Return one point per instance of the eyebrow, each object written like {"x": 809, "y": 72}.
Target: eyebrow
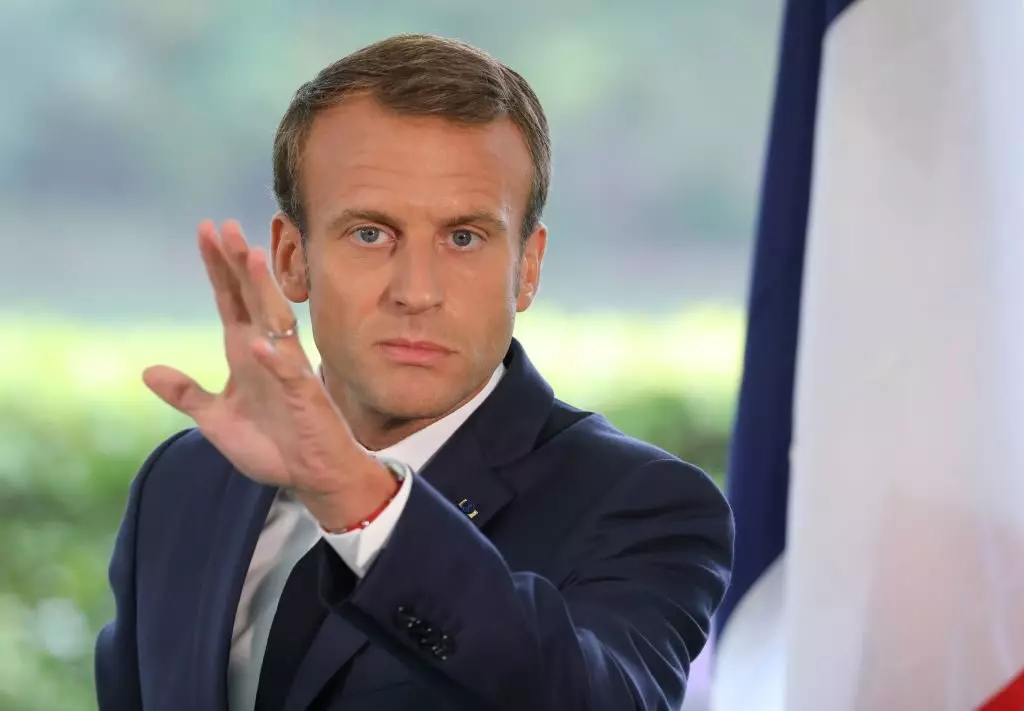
{"x": 479, "y": 217}
{"x": 484, "y": 217}
{"x": 357, "y": 215}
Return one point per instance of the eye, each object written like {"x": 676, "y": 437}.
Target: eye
{"x": 369, "y": 236}
{"x": 464, "y": 239}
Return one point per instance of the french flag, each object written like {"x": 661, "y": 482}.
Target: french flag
{"x": 877, "y": 465}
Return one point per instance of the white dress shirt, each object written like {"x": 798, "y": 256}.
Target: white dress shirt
{"x": 290, "y": 532}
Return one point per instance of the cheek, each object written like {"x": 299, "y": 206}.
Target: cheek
{"x": 494, "y": 272}
{"x": 483, "y": 300}
{"x": 483, "y": 288}
{"x": 342, "y": 296}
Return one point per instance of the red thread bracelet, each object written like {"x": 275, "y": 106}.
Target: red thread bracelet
{"x": 399, "y": 475}
{"x": 366, "y": 521}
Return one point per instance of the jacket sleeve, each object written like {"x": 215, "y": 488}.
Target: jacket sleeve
{"x": 648, "y": 569}
{"x": 360, "y": 547}
{"x": 116, "y": 665}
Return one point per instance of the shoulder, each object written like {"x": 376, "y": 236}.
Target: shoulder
{"x": 183, "y": 464}
{"x": 605, "y": 472}
{"x": 631, "y": 493}
{"x": 609, "y": 456}
{"x": 186, "y": 447}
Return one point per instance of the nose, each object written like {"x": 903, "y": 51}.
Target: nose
{"x": 415, "y": 280}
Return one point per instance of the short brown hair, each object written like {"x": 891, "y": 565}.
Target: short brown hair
{"x": 418, "y": 75}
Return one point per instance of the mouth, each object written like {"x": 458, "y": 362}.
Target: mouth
{"x": 406, "y": 352}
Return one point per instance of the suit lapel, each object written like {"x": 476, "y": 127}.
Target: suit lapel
{"x": 338, "y": 642}
{"x": 465, "y": 472}
{"x": 334, "y": 645}
{"x": 241, "y": 515}
{"x": 462, "y": 474}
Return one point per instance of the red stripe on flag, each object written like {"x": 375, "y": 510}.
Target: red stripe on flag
{"x": 1011, "y": 698}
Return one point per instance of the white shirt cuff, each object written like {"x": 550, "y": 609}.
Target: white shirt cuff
{"x": 359, "y": 548}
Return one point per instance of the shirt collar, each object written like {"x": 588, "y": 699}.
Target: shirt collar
{"x": 418, "y": 449}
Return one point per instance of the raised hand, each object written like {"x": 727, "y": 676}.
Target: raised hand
{"x": 274, "y": 420}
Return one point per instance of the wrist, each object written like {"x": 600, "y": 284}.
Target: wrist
{"x": 359, "y": 501}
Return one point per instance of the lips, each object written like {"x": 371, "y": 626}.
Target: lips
{"x": 409, "y": 352}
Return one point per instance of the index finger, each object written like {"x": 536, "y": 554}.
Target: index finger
{"x": 280, "y": 349}
{"x": 275, "y": 313}
{"x": 226, "y": 289}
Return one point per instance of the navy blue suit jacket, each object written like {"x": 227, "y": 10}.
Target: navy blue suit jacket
{"x": 587, "y": 579}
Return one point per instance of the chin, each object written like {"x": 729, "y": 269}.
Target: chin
{"x": 415, "y": 398}
{"x": 411, "y": 407}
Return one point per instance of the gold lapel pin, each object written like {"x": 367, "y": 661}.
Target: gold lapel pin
{"x": 468, "y": 507}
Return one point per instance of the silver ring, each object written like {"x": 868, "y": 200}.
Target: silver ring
{"x": 287, "y": 333}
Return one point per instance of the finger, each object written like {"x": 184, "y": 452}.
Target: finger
{"x": 284, "y": 357}
{"x": 289, "y": 368}
{"x": 226, "y": 288}
{"x": 275, "y": 312}
{"x": 178, "y": 390}
{"x": 235, "y": 246}
{"x": 236, "y": 249}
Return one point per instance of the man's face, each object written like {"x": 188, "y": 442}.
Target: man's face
{"x": 415, "y": 269}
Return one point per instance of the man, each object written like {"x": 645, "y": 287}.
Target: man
{"x": 420, "y": 525}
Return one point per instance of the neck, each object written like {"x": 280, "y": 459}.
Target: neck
{"x": 376, "y": 430}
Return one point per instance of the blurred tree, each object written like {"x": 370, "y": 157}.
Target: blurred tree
{"x": 163, "y": 113}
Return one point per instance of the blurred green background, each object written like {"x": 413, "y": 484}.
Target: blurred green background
{"x": 76, "y": 422}
{"x": 124, "y": 123}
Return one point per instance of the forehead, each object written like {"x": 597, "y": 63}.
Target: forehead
{"x": 361, "y": 154}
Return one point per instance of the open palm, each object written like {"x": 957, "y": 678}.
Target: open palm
{"x": 274, "y": 421}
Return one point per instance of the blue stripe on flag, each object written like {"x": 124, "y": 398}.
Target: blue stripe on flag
{"x": 758, "y": 477}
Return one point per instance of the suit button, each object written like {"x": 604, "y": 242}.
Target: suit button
{"x": 426, "y": 636}
{"x": 427, "y": 640}
{"x": 444, "y": 647}
{"x": 420, "y": 629}
{"x": 405, "y": 616}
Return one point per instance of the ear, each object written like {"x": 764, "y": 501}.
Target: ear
{"x": 529, "y": 266}
{"x": 289, "y": 258}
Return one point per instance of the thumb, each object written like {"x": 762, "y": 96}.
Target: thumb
{"x": 177, "y": 389}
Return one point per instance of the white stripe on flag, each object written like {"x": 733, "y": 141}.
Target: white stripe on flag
{"x": 751, "y": 654}
{"x": 905, "y": 572}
